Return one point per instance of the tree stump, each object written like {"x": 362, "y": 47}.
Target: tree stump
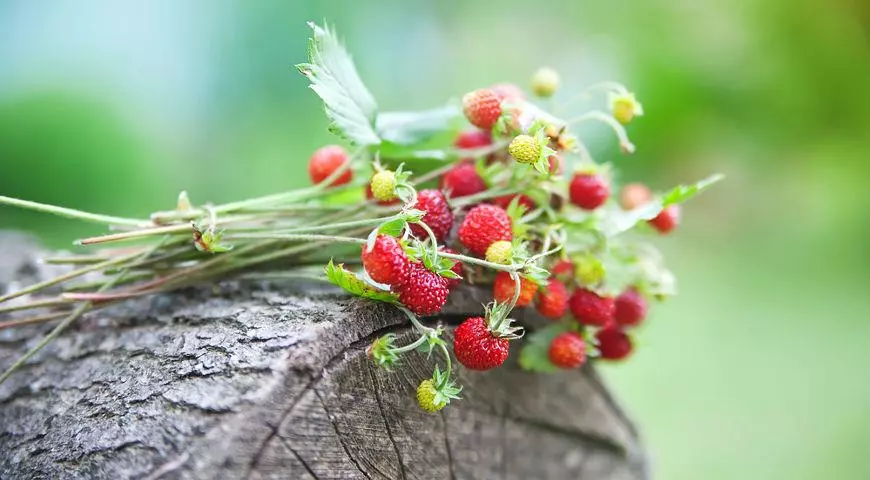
{"x": 271, "y": 381}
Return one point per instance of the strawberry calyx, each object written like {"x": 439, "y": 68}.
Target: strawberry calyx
{"x": 498, "y": 323}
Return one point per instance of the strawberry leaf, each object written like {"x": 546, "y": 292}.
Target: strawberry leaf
{"x": 411, "y": 128}
{"x": 534, "y": 356}
{"x": 337, "y": 275}
{"x": 334, "y": 78}
{"x": 681, "y": 193}
{"x": 393, "y": 227}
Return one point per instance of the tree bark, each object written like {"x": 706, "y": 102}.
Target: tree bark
{"x": 263, "y": 380}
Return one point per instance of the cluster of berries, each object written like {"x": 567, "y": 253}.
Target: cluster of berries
{"x": 494, "y": 215}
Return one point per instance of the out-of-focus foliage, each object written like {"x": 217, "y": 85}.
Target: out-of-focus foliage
{"x": 755, "y": 371}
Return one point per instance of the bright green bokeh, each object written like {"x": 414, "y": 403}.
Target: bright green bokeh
{"x": 755, "y": 371}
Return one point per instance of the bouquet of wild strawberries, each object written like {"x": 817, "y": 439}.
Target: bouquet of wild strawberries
{"x": 519, "y": 203}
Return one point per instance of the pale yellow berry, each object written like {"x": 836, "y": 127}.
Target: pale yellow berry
{"x": 545, "y": 82}
{"x": 384, "y": 185}
{"x": 499, "y": 252}
{"x": 588, "y": 270}
{"x": 427, "y": 397}
{"x": 525, "y": 149}
{"x": 625, "y": 107}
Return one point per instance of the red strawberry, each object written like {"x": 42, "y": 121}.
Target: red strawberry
{"x": 457, "y": 269}
{"x": 462, "y": 180}
{"x": 386, "y": 262}
{"x": 327, "y": 160}
{"x": 508, "y": 91}
{"x": 438, "y": 215}
{"x": 667, "y": 219}
{"x": 563, "y": 268}
{"x": 634, "y": 195}
{"x": 503, "y": 289}
{"x": 553, "y": 301}
{"x": 483, "y": 225}
{"x": 482, "y": 108}
{"x": 424, "y": 292}
{"x": 613, "y": 343}
{"x": 555, "y": 164}
{"x": 476, "y": 347}
{"x": 473, "y": 139}
{"x": 505, "y": 200}
{"x": 567, "y": 350}
{"x": 630, "y": 308}
{"x": 590, "y": 309}
{"x": 370, "y": 195}
{"x": 588, "y": 191}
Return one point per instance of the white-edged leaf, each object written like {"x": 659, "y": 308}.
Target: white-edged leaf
{"x": 334, "y": 78}
{"x": 410, "y": 128}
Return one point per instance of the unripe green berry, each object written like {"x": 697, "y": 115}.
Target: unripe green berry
{"x": 499, "y": 252}
{"x": 589, "y": 270}
{"x": 625, "y": 107}
{"x": 525, "y": 149}
{"x": 545, "y": 82}
{"x": 384, "y": 185}
{"x": 427, "y": 397}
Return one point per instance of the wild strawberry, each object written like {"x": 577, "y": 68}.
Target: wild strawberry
{"x": 476, "y": 347}
{"x": 624, "y": 107}
{"x": 438, "y": 215}
{"x": 457, "y": 269}
{"x": 555, "y": 164}
{"x": 567, "y": 350}
{"x": 563, "y": 268}
{"x": 508, "y": 92}
{"x": 553, "y": 301}
{"x": 473, "y": 139}
{"x": 630, "y": 308}
{"x": 525, "y": 149}
{"x": 499, "y": 252}
{"x": 545, "y": 82}
{"x": 383, "y": 185}
{"x": 483, "y": 225}
{"x": 428, "y": 398}
{"x": 462, "y": 180}
{"x": 386, "y": 262}
{"x": 503, "y": 288}
{"x": 588, "y": 191}
{"x": 667, "y": 219}
{"x": 327, "y": 160}
{"x": 590, "y": 309}
{"x": 613, "y": 343}
{"x": 634, "y": 195}
{"x": 482, "y": 108}
{"x": 524, "y": 200}
{"x": 424, "y": 292}
{"x": 370, "y": 196}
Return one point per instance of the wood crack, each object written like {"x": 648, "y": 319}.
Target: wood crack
{"x": 340, "y": 436}
{"x": 377, "y": 390}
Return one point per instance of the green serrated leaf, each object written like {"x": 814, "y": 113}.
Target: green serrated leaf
{"x": 393, "y": 228}
{"x": 534, "y": 356}
{"x": 337, "y": 275}
{"x": 409, "y": 128}
{"x": 334, "y": 78}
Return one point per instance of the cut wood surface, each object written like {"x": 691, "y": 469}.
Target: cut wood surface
{"x": 271, "y": 381}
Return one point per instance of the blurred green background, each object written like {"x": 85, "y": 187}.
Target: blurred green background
{"x": 757, "y": 370}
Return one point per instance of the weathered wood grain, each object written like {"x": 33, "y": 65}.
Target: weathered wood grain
{"x": 268, "y": 381}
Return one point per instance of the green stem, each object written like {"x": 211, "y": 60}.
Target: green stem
{"x": 414, "y": 321}
{"x": 51, "y": 302}
{"x": 353, "y": 223}
{"x": 71, "y": 213}
{"x": 483, "y": 263}
{"x": 78, "y": 312}
{"x": 32, "y": 320}
{"x": 449, "y": 366}
{"x": 410, "y": 346}
{"x": 295, "y": 237}
{"x": 608, "y": 120}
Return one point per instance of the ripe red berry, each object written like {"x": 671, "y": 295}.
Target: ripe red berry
{"x": 424, "y": 292}
{"x": 370, "y": 195}
{"x": 327, "y": 160}
{"x": 457, "y": 269}
{"x": 482, "y": 108}
{"x": 613, "y": 343}
{"x": 462, "y": 180}
{"x": 483, "y": 225}
{"x": 508, "y": 91}
{"x": 563, "y": 268}
{"x": 555, "y": 162}
{"x": 590, "y": 309}
{"x": 475, "y": 346}
{"x": 630, "y": 308}
{"x": 438, "y": 215}
{"x": 505, "y": 200}
{"x": 553, "y": 301}
{"x": 588, "y": 191}
{"x": 503, "y": 289}
{"x": 386, "y": 262}
{"x": 667, "y": 219}
{"x": 473, "y": 139}
{"x": 567, "y": 350}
